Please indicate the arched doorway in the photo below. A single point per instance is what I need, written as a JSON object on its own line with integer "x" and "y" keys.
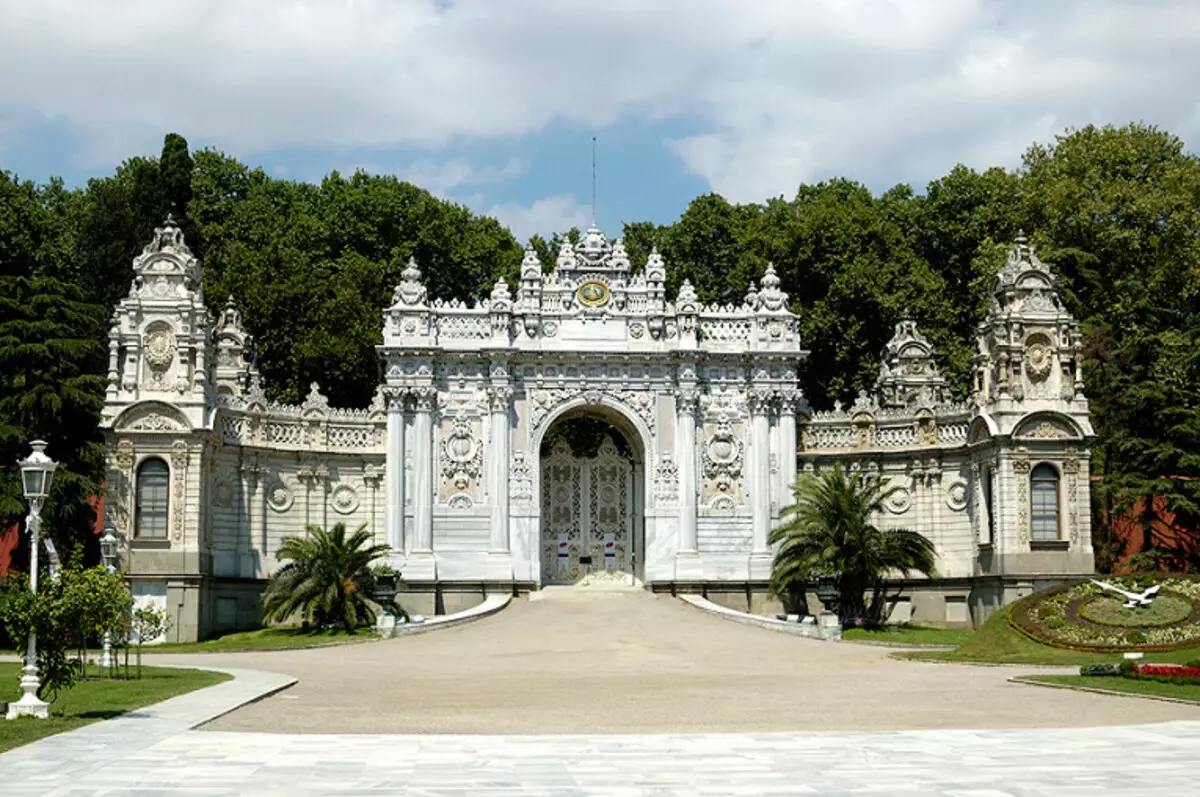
{"x": 591, "y": 500}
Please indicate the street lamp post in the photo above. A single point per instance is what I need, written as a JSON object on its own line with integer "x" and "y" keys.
{"x": 37, "y": 472}
{"x": 108, "y": 550}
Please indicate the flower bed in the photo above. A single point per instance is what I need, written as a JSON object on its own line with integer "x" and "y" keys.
{"x": 1083, "y": 616}
{"x": 1183, "y": 674}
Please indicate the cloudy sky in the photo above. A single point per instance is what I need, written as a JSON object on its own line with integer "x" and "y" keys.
{"x": 493, "y": 103}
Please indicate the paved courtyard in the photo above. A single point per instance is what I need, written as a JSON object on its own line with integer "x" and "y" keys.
{"x": 631, "y": 662}
{"x": 615, "y": 694}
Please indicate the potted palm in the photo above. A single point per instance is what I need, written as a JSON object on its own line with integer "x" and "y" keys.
{"x": 327, "y": 580}
{"x": 830, "y": 533}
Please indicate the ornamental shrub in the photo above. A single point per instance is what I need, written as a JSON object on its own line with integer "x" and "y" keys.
{"x": 1100, "y": 669}
{"x": 63, "y": 613}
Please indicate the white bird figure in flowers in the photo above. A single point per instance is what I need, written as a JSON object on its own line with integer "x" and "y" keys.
{"x": 1133, "y": 599}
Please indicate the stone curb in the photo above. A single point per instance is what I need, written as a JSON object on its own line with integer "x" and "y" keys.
{"x": 367, "y": 637}
{"x": 1023, "y": 679}
{"x": 491, "y": 605}
{"x": 705, "y": 605}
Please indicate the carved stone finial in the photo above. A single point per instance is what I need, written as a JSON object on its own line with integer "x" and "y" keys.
{"x": 501, "y": 299}
{"x": 771, "y": 298}
{"x": 315, "y": 399}
{"x": 167, "y": 238}
{"x": 566, "y": 257}
{"x": 908, "y": 373}
{"x": 752, "y": 296}
{"x": 531, "y": 266}
{"x": 656, "y": 270}
{"x": 410, "y": 291}
{"x": 619, "y": 259}
{"x": 687, "y": 301}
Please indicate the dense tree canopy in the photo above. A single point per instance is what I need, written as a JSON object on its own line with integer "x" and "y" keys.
{"x": 1115, "y": 210}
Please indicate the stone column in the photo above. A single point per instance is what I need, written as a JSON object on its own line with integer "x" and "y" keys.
{"x": 499, "y": 558}
{"x": 395, "y": 471}
{"x": 787, "y": 447}
{"x": 420, "y": 565}
{"x": 687, "y": 560}
{"x": 760, "y": 482}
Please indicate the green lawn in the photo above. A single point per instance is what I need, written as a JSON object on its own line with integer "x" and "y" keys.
{"x": 89, "y": 701}
{"x": 1132, "y": 685}
{"x": 264, "y": 639}
{"x": 908, "y": 635}
{"x": 997, "y": 643}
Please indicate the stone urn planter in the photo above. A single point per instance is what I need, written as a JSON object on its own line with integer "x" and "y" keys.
{"x": 385, "y": 590}
{"x": 385, "y": 595}
{"x": 827, "y": 590}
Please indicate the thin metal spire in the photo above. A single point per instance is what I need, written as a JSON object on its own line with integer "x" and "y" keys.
{"x": 593, "y": 181}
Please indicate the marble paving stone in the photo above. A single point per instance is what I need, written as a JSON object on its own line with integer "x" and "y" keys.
{"x": 154, "y": 752}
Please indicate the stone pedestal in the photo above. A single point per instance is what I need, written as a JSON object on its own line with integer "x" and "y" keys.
{"x": 29, "y": 705}
{"x": 829, "y": 625}
{"x": 385, "y": 626}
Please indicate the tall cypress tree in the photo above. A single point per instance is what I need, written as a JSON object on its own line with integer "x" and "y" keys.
{"x": 51, "y": 388}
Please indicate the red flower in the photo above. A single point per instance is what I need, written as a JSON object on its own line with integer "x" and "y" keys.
{"x": 1170, "y": 670}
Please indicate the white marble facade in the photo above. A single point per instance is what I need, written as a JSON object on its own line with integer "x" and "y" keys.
{"x": 445, "y": 466}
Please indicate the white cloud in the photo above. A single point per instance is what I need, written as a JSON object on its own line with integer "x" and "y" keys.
{"x": 774, "y": 92}
{"x": 442, "y": 178}
{"x": 544, "y": 217}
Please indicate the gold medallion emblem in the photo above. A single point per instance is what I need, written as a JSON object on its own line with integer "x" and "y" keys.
{"x": 593, "y": 294}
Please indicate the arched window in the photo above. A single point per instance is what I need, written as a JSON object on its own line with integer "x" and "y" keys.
{"x": 153, "y": 490}
{"x": 1043, "y": 491}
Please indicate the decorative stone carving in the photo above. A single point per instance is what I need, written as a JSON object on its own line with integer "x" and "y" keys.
{"x": 520, "y": 480}
{"x": 957, "y": 496}
{"x": 722, "y": 457}
{"x": 1039, "y": 357}
{"x": 279, "y": 496}
{"x": 410, "y": 292}
{"x": 666, "y": 481}
{"x": 462, "y": 455}
{"x": 315, "y": 402}
{"x": 460, "y": 502}
{"x": 897, "y": 500}
{"x": 223, "y": 489}
{"x": 722, "y": 503}
{"x": 125, "y": 455}
{"x": 344, "y": 499}
{"x": 771, "y": 299}
{"x": 160, "y": 350}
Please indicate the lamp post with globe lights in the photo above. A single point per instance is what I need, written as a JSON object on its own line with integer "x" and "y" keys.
{"x": 108, "y": 551}
{"x": 37, "y": 473}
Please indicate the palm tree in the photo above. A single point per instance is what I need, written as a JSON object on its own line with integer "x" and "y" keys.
{"x": 830, "y": 529}
{"x": 327, "y": 580}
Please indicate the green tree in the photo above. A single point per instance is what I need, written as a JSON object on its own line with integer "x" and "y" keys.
{"x": 1117, "y": 211}
{"x": 328, "y": 579}
{"x": 50, "y": 388}
{"x": 830, "y": 530}
{"x": 175, "y": 168}
{"x": 67, "y": 612}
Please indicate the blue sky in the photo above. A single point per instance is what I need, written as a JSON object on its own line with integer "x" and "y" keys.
{"x": 493, "y": 103}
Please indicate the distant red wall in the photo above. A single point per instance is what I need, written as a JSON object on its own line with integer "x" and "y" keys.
{"x": 1180, "y": 542}
{"x": 8, "y": 541}
{"x": 10, "y": 536}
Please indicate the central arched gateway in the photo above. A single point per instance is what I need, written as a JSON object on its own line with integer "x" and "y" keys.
{"x": 700, "y": 404}
{"x": 591, "y": 496}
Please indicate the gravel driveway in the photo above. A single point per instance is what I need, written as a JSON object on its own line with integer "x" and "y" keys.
{"x": 632, "y": 662}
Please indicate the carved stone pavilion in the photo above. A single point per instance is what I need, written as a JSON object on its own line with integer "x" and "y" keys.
{"x": 456, "y": 465}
